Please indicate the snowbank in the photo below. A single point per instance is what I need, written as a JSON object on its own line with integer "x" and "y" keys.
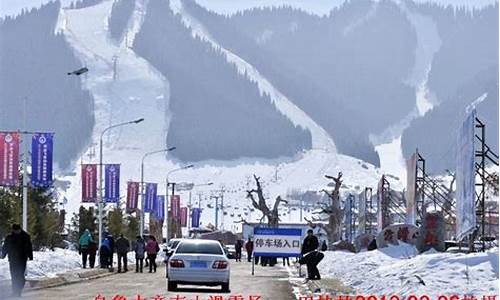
{"x": 46, "y": 264}
{"x": 394, "y": 270}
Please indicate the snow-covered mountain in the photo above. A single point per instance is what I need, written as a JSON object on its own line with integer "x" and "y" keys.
{"x": 281, "y": 93}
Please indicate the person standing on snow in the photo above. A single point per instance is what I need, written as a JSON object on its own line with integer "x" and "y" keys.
{"x": 237, "y": 247}
{"x": 104, "y": 254}
{"x": 139, "y": 249}
{"x": 311, "y": 256}
{"x": 152, "y": 249}
{"x": 92, "y": 253}
{"x": 122, "y": 248}
{"x": 83, "y": 246}
{"x": 18, "y": 247}
{"x": 249, "y": 248}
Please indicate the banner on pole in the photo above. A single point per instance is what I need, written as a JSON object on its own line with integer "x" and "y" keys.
{"x": 89, "y": 183}
{"x": 132, "y": 196}
{"x": 112, "y": 183}
{"x": 175, "y": 206}
{"x": 160, "y": 207}
{"x": 362, "y": 212}
{"x": 195, "y": 217}
{"x": 9, "y": 158}
{"x": 466, "y": 208}
{"x": 348, "y": 216}
{"x": 150, "y": 197}
{"x": 184, "y": 213}
{"x": 41, "y": 159}
{"x": 411, "y": 173}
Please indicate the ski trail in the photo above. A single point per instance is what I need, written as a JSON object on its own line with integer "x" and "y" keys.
{"x": 320, "y": 138}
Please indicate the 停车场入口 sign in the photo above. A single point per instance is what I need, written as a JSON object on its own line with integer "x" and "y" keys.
{"x": 277, "y": 242}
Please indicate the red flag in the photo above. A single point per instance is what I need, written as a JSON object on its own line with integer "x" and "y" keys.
{"x": 132, "y": 195}
{"x": 184, "y": 213}
{"x": 9, "y": 158}
{"x": 89, "y": 183}
{"x": 175, "y": 206}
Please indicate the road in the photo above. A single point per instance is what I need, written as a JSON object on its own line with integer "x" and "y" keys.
{"x": 268, "y": 283}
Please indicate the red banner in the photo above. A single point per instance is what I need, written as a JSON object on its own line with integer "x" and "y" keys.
{"x": 184, "y": 213}
{"x": 132, "y": 195}
{"x": 9, "y": 158}
{"x": 89, "y": 183}
{"x": 175, "y": 206}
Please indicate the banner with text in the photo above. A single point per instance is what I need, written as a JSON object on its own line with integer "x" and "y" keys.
{"x": 150, "y": 197}
{"x": 160, "y": 207}
{"x": 89, "y": 183}
{"x": 466, "y": 208}
{"x": 132, "y": 195}
{"x": 184, "y": 213}
{"x": 112, "y": 183}
{"x": 277, "y": 242}
{"x": 41, "y": 159}
{"x": 9, "y": 158}
{"x": 195, "y": 217}
{"x": 175, "y": 206}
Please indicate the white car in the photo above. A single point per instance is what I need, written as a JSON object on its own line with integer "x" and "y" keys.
{"x": 198, "y": 262}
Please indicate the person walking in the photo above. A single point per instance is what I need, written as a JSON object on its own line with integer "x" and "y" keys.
{"x": 122, "y": 248}
{"x": 92, "y": 254}
{"x": 17, "y": 246}
{"x": 152, "y": 249}
{"x": 249, "y": 248}
{"x": 83, "y": 246}
{"x": 104, "y": 254}
{"x": 146, "y": 240}
{"x": 112, "y": 249}
{"x": 139, "y": 249}
{"x": 237, "y": 247}
{"x": 311, "y": 257}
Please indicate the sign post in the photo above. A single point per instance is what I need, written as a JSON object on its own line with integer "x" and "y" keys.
{"x": 276, "y": 242}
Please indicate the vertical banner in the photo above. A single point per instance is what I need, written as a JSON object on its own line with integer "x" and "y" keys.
{"x": 184, "y": 213}
{"x": 411, "y": 173}
{"x": 195, "y": 217}
{"x": 41, "y": 159}
{"x": 466, "y": 209}
{"x": 150, "y": 197}
{"x": 112, "y": 183}
{"x": 160, "y": 207}
{"x": 89, "y": 183}
{"x": 9, "y": 158}
{"x": 132, "y": 195}
{"x": 175, "y": 206}
{"x": 348, "y": 217}
{"x": 383, "y": 215}
{"x": 362, "y": 212}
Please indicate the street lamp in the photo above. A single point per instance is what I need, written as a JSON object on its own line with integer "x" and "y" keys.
{"x": 100, "y": 203}
{"x": 78, "y": 72}
{"x": 141, "y": 229}
{"x": 173, "y": 192}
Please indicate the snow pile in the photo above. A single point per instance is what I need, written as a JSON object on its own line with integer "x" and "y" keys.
{"x": 397, "y": 269}
{"x": 46, "y": 264}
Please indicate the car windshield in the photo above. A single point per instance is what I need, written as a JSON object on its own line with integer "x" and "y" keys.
{"x": 199, "y": 248}
{"x": 173, "y": 244}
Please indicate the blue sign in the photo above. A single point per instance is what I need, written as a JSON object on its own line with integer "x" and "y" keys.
{"x": 150, "y": 197}
{"x": 277, "y": 242}
{"x": 41, "y": 159}
{"x": 195, "y": 217}
{"x": 159, "y": 207}
{"x": 112, "y": 183}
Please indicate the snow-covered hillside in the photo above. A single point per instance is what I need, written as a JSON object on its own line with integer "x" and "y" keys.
{"x": 137, "y": 90}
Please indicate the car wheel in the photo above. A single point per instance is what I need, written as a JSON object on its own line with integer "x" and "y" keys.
{"x": 171, "y": 286}
{"x": 225, "y": 287}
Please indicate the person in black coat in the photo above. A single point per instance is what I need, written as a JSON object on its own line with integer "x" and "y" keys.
{"x": 309, "y": 251}
{"x": 122, "y": 248}
{"x": 18, "y": 247}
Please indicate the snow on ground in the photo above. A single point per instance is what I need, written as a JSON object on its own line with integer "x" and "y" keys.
{"x": 46, "y": 264}
{"x": 393, "y": 270}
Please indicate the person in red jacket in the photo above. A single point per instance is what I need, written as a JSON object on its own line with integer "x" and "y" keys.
{"x": 249, "y": 248}
{"x": 152, "y": 249}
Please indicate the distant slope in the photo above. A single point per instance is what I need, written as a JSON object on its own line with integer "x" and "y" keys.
{"x": 216, "y": 112}
{"x": 33, "y": 65}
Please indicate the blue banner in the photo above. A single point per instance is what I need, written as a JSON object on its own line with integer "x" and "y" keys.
{"x": 112, "y": 183}
{"x": 195, "y": 217}
{"x": 150, "y": 197}
{"x": 159, "y": 207}
{"x": 41, "y": 159}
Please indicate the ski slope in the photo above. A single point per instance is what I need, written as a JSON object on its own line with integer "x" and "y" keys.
{"x": 136, "y": 89}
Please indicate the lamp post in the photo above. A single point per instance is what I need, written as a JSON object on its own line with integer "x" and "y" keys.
{"x": 100, "y": 200}
{"x": 166, "y": 228}
{"x": 141, "y": 227}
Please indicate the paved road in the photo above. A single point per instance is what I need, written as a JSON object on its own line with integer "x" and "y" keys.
{"x": 269, "y": 283}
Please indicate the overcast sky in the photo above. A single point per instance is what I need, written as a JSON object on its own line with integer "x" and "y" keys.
{"x": 321, "y": 7}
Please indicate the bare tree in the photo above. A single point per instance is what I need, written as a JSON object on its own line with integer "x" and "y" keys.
{"x": 271, "y": 214}
{"x": 332, "y": 212}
